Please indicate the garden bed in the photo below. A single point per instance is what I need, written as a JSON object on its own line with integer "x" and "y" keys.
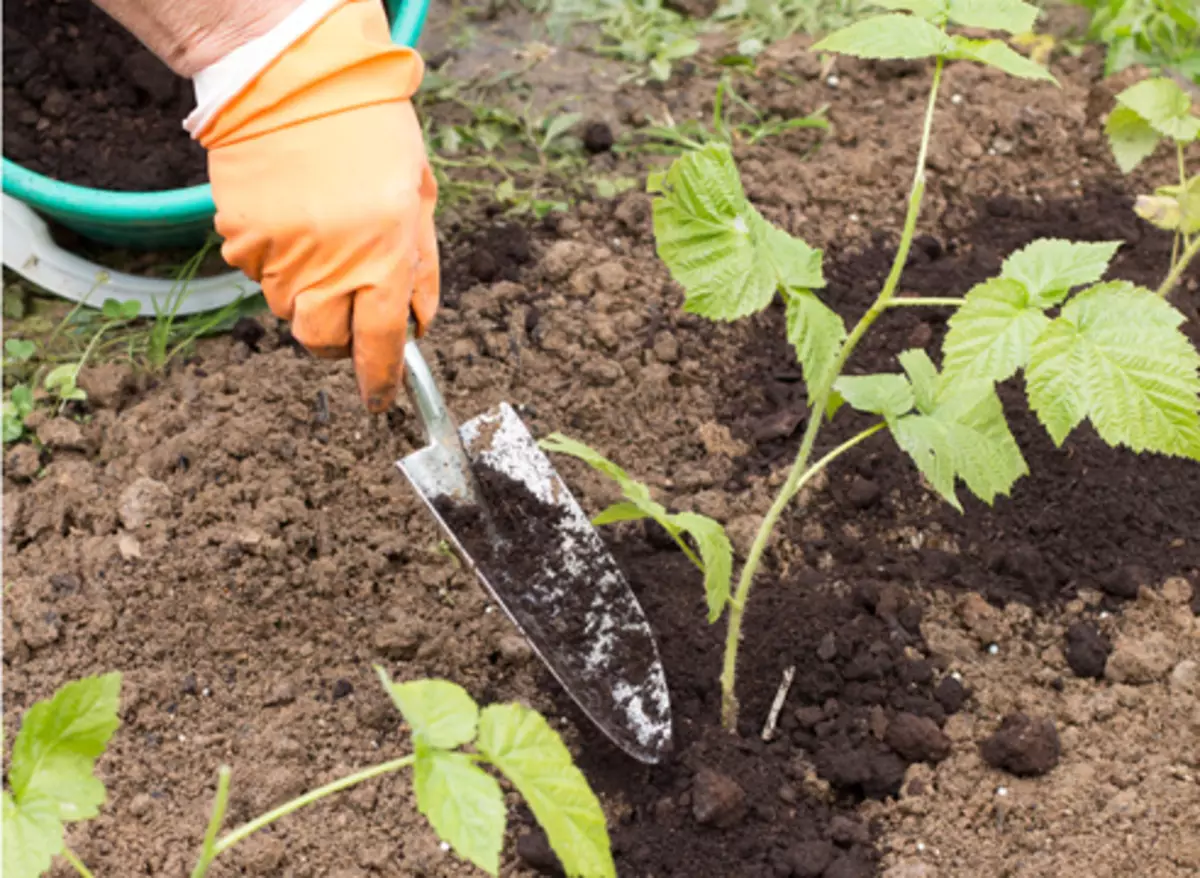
{"x": 238, "y": 541}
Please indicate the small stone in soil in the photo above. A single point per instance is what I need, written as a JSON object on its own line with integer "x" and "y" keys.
{"x": 863, "y": 493}
{"x": 1087, "y": 650}
{"x": 809, "y": 859}
{"x": 533, "y": 849}
{"x": 1124, "y": 581}
{"x": 717, "y": 800}
{"x": 917, "y": 738}
{"x": 597, "y": 137}
{"x": 1023, "y": 745}
{"x": 248, "y": 331}
{"x": 342, "y": 688}
{"x": 950, "y": 694}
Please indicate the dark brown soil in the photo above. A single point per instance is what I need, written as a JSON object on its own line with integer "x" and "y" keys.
{"x": 86, "y": 103}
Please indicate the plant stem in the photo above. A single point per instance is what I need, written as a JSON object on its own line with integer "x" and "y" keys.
{"x": 799, "y": 472}
{"x": 71, "y": 857}
{"x": 209, "y": 852}
{"x": 931, "y": 301}
{"x": 247, "y": 829}
{"x": 1179, "y": 267}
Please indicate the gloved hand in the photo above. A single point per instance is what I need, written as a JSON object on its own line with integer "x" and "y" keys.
{"x": 323, "y": 190}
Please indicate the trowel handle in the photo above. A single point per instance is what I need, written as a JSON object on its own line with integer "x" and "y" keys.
{"x": 439, "y": 424}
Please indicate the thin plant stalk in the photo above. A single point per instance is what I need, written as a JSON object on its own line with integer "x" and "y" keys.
{"x": 1179, "y": 268}
{"x": 208, "y": 851}
{"x": 71, "y": 857}
{"x": 930, "y": 301}
{"x": 248, "y": 829}
{"x": 801, "y": 472}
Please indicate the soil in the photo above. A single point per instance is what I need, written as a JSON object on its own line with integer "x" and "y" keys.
{"x": 238, "y": 541}
{"x": 86, "y": 103}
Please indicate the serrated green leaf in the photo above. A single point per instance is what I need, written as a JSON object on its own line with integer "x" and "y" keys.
{"x": 923, "y": 376}
{"x": 816, "y": 332}
{"x": 441, "y": 714}
{"x": 729, "y": 260}
{"x": 624, "y": 511}
{"x": 1130, "y": 137}
{"x": 522, "y": 745}
{"x": 887, "y": 395}
{"x": 995, "y": 53}
{"x": 963, "y": 436}
{"x": 19, "y": 349}
{"x": 930, "y": 10}
{"x": 1050, "y": 267}
{"x": 890, "y": 36}
{"x": 991, "y": 335}
{"x": 717, "y": 555}
{"x": 1012, "y": 16}
{"x": 1115, "y": 356}
{"x": 33, "y": 835}
{"x": 464, "y": 805}
{"x": 1164, "y": 105}
{"x": 60, "y": 739}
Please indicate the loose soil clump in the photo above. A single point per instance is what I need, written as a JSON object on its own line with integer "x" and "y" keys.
{"x": 86, "y": 103}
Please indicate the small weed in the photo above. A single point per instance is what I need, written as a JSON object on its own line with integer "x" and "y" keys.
{"x": 1160, "y": 34}
{"x": 52, "y": 782}
{"x": 643, "y": 33}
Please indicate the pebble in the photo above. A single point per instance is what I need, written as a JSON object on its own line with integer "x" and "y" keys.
{"x": 514, "y": 649}
{"x": 1087, "y": 650}
{"x": 1124, "y": 581}
{"x": 1185, "y": 678}
{"x": 1177, "y": 590}
{"x": 281, "y": 693}
{"x": 1140, "y": 661}
{"x": 1023, "y": 745}
{"x": 142, "y": 502}
{"x": 141, "y": 805}
{"x": 917, "y": 738}
{"x": 341, "y": 689}
{"x": 61, "y": 434}
{"x": 717, "y": 799}
{"x": 22, "y": 463}
{"x": 863, "y": 493}
{"x": 810, "y": 859}
{"x": 950, "y": 694}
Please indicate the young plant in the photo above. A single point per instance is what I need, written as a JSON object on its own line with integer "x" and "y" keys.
{"x": 52, "y": 781}
{"x": 1155, "y": 33}
{"x": 1111, "y": 354}
{"x": 19, "y": 402}
{"x": 1147, "y": 113}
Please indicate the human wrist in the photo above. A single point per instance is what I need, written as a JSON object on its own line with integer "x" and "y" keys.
{"x": 219, "y": 82}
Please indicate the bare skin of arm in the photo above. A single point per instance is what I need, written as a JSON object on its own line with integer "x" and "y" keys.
{"x": 187, "y": 35}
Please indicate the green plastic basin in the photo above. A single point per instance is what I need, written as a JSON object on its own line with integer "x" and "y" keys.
{"x": 154, "y": 220}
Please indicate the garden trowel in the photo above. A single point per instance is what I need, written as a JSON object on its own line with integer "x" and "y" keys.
{"x": 548, "y": 570}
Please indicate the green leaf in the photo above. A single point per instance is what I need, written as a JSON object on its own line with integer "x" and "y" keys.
{"x": 624, "y": 511}
{"x": 817, "y": 333}
{"x": 1116, "y": 357}
{"x": 112, "y": 309}
{"x": 717, "y": 555}
{"x": 22, "y": 399}
{"x": 991, "y": 335}
{"x": 558, "y": 126}
{"x": 33, "y": 835}
{"x": 463, "y": 803}
{"x": 19, "y": 349}
{"x": 1012, "y": 16}
{"x": 12, "y": 425}
{"x": 59, "y": 742}
{"x": 1050, "y": 267}
{"x": 61, "y": 380}
{"x": 1174, "y": 208}
{"x": 1130, "y": 137}
{"x": 1164, "y": 105}
{"x": 442, "y": 714}
{"x": 727, "y": 257}
{"x": 963, "y": 436}
{"x": 521, "y": 744}
{"x": 886, "y": 37}
{"x": 887, "y": 395}
{"x": 995, "y": 53}
{"x": 924, "y": 378}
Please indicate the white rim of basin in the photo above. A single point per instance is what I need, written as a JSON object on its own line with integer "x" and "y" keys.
{"x": 29, "y": 250}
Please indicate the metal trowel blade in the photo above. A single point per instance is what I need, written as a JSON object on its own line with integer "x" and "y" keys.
{"x": 597, "y": 643}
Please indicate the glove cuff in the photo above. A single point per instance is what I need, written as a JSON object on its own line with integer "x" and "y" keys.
{"x": 217, "y": 85}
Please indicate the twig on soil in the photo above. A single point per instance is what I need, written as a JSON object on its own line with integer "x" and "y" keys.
{"x": 785, "y": 684}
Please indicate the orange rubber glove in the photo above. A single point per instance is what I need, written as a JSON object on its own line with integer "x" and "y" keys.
{"x": 325, "y": 196}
